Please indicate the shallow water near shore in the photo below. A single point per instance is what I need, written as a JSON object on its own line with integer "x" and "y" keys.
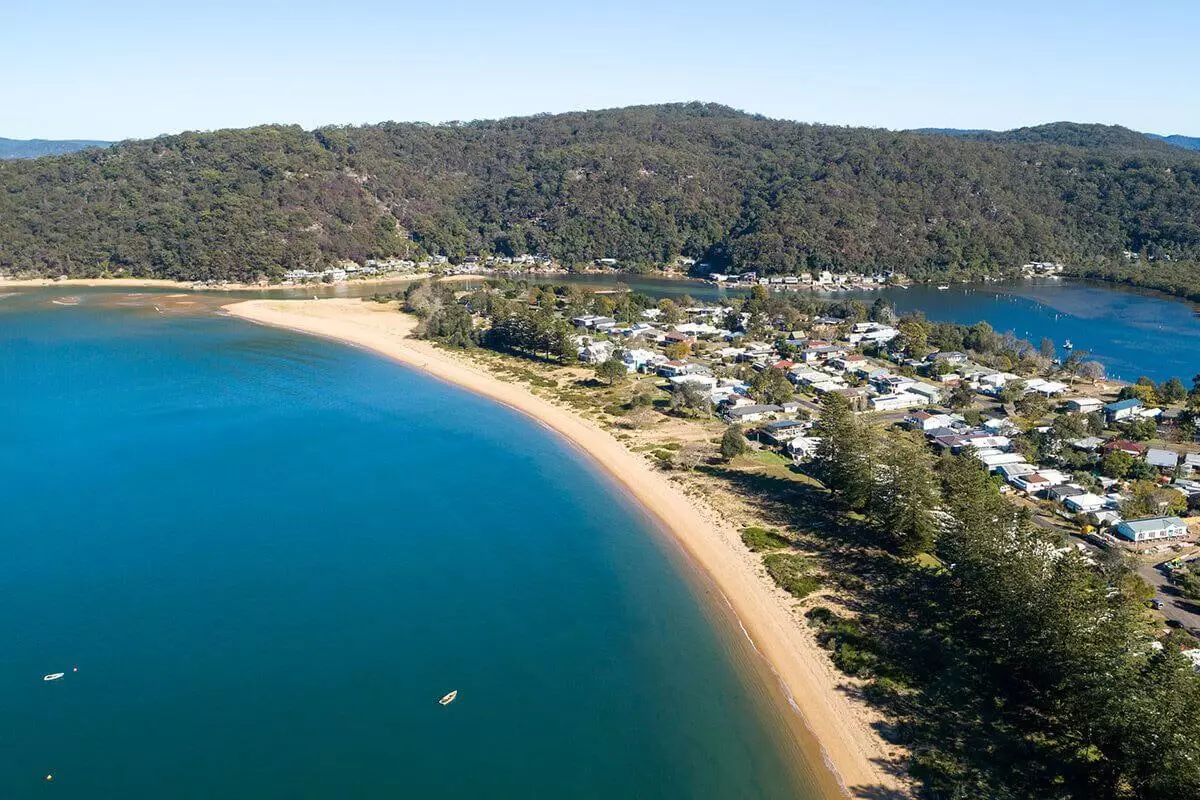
{"x": 269, "y": 555}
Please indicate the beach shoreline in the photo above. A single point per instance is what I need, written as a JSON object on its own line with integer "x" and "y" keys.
{"x": 851, "y": 748}
{"x": 195, "y": 286}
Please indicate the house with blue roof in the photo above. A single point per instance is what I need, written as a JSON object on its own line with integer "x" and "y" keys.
{"x": 1122, "y": 409}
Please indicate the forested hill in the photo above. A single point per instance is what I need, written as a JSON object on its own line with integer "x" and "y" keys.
{"x": 1187, "y": 142}
{"x": 641, "y": 184}
{"x": 35, "y": 148}
{"x": 1074, "y": 134}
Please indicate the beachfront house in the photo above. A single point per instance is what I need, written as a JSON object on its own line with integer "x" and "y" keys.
{"x": 671, "y": 369}
{"x": 802, "y": 448}
{"x": 637, "y": 359}
{"x": 705, "y": 382}
{"x": 781, "y": 431}
{"x": 596, "y": 352}
{"x": 754, "y": 413}
{"x": 1152, "y": 529}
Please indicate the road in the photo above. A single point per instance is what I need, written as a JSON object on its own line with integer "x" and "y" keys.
{"x": 1175, "y": 605}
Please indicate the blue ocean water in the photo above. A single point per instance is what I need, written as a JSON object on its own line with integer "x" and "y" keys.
{"x": 269, "y": 555}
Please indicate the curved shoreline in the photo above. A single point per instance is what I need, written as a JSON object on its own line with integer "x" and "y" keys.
{"x": 850, "y": 747}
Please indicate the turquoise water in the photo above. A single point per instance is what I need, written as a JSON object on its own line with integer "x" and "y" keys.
{"x": 269, "y": 555}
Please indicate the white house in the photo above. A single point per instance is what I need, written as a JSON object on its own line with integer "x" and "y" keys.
{"x": 1084, "y": 405}
{"x": 1086, "y": 503}
{"x": 596, "y": 352}
{"x": 897, "y": 402}
{"x": 924, "y": 421}
{"x": 994, "y": 461}
{"x": 1152, "y": 528}
{"x": 638, "y": 359}
{"x": 706, "y": 382}
{"x": 751, "y": 413}
{"x": 802, "y": 448}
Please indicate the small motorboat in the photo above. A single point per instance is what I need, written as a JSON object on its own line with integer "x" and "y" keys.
{"x": 1067, "y": 345}
{"x": 943, "y": 287}
{"x": 448, "y": 699}
{"x": 53, "y": 676}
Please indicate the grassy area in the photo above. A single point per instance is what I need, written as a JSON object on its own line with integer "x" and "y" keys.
{"x": 793, "y": 573}
{"x": 760, "y": 539}
{"x": 768, "y": 458}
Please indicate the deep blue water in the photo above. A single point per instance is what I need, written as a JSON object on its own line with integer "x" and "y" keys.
{"x": 1132, "y": 333}
{"x": 268, "y": 556}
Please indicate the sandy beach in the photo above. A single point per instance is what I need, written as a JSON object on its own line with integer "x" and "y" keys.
{"x": 851, "y": 748}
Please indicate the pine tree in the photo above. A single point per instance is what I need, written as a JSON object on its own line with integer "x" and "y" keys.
{"x": 905, "y": 498}
{"x": 843, "y": 458}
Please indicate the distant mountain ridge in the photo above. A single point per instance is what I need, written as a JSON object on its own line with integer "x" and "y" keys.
{"x": 1074, "y": 134}
{"x": 1186, "y": 142}
{"x": 36, "y": 148}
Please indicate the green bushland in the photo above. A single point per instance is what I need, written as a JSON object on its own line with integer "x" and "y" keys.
{"x": 759, "y": 539}
{"x": 642, "y": 185}
{"x": 793, "y": 573}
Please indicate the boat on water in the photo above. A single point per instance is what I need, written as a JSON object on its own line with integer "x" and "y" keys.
{"x": 53, "y": 676}
{"x": 943, "y": 287}
{"x": 448, "y": 699}
{"x": 1067, "y": 345}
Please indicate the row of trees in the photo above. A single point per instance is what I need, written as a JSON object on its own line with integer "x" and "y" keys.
{"x": 1017, "y": 669}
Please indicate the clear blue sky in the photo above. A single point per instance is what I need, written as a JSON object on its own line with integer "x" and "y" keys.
{"x": 133, "y": 68}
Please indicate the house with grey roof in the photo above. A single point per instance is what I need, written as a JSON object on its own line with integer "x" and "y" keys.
{"x": 1152, "y": 529}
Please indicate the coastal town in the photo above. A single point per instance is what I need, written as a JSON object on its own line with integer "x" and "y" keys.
{"x": 1106, "y": 466}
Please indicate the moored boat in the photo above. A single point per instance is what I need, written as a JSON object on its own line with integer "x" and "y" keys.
{"x": 449, "y": 698}
{"x": 53, "y": 676}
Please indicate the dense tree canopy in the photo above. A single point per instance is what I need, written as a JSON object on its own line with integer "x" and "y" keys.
{"x": 641, "y": 185}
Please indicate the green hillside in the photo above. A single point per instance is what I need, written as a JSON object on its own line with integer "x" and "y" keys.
{"x": 640, "y": 184}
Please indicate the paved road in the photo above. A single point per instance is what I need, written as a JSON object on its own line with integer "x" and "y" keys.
{"x": 1175, "y": 605}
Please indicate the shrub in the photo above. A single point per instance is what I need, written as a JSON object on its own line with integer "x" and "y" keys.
{"x": 759, "y": 539}
{"x": 819, "y": 616}
{"x": 793, "y": 574}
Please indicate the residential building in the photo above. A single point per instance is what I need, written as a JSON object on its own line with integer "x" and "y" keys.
{"x": 901, "y": 401}
{"x": 1084, "y": 405}
{"x": 1122, "y": 410}
{"x": 752, "y": 413}
{"x": 1086, "y": 503}
{"x": 1161, "y": 458}
{"x": 1152, "y": 529}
